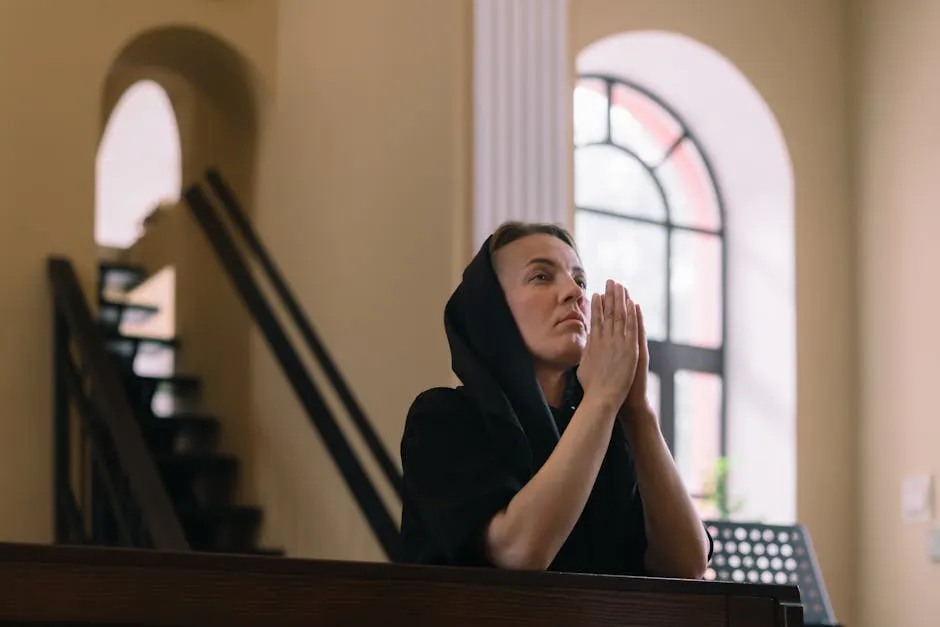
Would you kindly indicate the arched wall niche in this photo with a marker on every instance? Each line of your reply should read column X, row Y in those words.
column 744, row 143
column 217, row 96
column 216, row 92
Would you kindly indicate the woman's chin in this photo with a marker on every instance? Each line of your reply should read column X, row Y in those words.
column 561, row 351
column 577, row 341
column 569, row 352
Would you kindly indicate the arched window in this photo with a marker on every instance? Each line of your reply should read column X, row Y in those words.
column 649, row 214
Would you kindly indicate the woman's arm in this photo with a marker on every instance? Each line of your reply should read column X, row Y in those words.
column 677, row 544
column 528, row 534
column 531, row 530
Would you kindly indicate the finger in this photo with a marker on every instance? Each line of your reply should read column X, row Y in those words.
column 608, row 306
column 595, row 315
column 620, row 311
column 631, row 322
column 627, row 305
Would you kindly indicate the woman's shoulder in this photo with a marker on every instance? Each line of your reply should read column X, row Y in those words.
column 448, row 437
column 444, row 419
column 441, row 405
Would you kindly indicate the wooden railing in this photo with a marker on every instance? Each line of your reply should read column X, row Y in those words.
column 42, row 585
column 107, row 489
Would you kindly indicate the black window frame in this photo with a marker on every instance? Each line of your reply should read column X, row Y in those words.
column 666, row 356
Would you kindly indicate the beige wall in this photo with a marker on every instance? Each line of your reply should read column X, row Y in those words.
column 363, row 198
column 795, row 55
column 897, row 98
column 55, row 59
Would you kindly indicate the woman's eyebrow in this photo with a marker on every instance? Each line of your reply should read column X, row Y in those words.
column 552, row 263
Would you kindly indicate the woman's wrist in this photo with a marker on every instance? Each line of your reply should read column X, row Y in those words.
column 638, row 418
column 603, row 404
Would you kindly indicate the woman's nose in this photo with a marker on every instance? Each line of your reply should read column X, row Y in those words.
column 572, row 291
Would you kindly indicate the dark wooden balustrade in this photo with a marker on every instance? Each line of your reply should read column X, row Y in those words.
column 57, row 585
column 126, row 488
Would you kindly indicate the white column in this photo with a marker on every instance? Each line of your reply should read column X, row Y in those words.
column 522, row 114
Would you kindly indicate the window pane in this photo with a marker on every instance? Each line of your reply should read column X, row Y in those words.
column 590, row 111
column 696, row 289
column 690, row 191
column 607, row 178
column 697, row 428
column 633, row 253
column 638, row 123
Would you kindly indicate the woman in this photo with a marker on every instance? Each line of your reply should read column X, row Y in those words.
column 549, row 455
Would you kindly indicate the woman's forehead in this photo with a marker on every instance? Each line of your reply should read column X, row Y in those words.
column 535, row 249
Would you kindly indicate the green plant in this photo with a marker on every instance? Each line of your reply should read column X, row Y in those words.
column 717, row 493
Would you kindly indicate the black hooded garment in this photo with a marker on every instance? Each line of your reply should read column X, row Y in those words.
column 467, row 451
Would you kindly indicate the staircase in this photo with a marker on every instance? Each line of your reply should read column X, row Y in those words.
column 198, row 478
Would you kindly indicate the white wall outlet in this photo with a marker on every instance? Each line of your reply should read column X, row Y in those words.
column 933, row 544
column 917, row 498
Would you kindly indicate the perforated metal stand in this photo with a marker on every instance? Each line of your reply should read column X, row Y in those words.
column 748, row 552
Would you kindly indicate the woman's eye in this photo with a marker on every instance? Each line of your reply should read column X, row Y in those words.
column 541, row 276
column 582, row 283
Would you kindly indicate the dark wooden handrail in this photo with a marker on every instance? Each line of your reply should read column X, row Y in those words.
column 115, row 410
column 42, row 585
column 365, row 494
column 238, row 217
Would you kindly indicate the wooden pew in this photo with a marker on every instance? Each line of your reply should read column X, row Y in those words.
column 45, row 585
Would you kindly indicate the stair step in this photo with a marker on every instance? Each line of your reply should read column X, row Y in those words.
column 223, row 529
column 182, row 389
column 114, row 338
column 183, row 434
column 127, row 348
column 199, row 480
column 120, row 266
column 113, row 313
column 193, row 463
column 119, row 277
column 181, row 382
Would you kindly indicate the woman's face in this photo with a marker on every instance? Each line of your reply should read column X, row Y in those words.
column 544, row 285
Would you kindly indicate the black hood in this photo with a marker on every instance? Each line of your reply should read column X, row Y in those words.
column 492, row 361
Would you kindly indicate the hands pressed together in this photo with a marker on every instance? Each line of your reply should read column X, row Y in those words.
column 613, row 372
column 615, row 364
